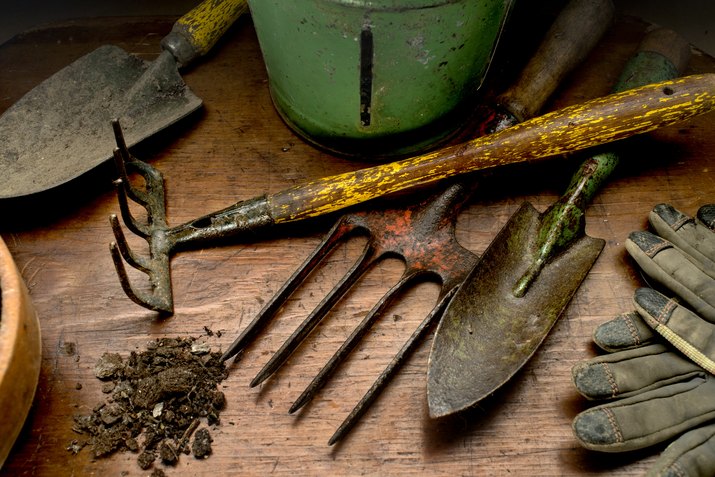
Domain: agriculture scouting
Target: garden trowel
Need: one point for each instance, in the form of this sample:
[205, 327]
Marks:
[61, 129]
[527, 276]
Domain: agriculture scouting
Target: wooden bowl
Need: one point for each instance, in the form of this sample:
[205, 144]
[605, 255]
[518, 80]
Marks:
[20, 352]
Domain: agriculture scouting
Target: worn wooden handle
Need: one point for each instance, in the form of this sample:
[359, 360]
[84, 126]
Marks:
[573, 128]
[577, 29]
[195, 33]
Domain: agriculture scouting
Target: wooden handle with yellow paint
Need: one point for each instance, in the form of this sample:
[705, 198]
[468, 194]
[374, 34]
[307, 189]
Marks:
[195, 33]
[592, 123]
[570, 129]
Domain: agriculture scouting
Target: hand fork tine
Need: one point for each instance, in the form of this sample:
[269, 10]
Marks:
[347, 346]
[369, 397]
[423, 235]
[340, 232]
[331, 299]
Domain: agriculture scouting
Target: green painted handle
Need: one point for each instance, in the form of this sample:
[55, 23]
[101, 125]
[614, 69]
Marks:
[661, 56]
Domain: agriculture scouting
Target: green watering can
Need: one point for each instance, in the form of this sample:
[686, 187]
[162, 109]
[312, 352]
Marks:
[376, 78]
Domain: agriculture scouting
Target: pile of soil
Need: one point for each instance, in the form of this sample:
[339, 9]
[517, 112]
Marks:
[157, 399]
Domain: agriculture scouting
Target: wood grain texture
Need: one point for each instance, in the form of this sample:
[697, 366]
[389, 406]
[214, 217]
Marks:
[238, 148]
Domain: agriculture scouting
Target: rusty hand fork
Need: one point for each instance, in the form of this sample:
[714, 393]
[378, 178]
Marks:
[422, 235]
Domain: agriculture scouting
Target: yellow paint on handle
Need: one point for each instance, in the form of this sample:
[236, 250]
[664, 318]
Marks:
[570, 129]
[208, 21]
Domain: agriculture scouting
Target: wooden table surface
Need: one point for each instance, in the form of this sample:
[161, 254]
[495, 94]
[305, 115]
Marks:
[238, 148]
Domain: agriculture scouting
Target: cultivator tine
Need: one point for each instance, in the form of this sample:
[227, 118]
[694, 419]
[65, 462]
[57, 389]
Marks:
[156, 266]
[129, 220]
[121, 157]
[122, 247]
[366, 260]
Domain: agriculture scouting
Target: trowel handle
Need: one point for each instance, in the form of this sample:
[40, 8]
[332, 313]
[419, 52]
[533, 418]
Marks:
[195, 33]
[661, 56]
[577, 29]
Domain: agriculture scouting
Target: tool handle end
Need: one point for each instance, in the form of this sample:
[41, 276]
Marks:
[577, 29]
[195, 33]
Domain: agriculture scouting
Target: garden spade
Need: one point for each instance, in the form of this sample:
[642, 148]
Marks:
[525, 279]
[61, 129]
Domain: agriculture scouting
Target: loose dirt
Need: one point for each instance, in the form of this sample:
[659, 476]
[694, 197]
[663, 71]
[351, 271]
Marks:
[159, 403]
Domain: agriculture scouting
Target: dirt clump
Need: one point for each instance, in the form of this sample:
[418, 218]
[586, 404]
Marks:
[156, 400]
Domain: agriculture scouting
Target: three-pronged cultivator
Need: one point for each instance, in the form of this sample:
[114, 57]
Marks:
[156, 266]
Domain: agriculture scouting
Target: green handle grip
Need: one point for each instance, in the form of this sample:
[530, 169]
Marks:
[195, 33]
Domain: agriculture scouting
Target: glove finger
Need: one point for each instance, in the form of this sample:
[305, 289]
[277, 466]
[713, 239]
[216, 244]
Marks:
[692, 454]
[706, 215]
[669, 265]
[647, 418]
[691, 236]
[681, 327]
[631, 372]
[626, 331]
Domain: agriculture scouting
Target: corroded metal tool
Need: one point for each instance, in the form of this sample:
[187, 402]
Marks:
[599, 121]
[57, 131]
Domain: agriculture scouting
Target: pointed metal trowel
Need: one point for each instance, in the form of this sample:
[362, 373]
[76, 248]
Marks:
[511, 299]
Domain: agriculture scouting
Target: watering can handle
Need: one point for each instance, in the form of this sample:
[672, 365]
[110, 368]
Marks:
[572, 36]
[195, 33]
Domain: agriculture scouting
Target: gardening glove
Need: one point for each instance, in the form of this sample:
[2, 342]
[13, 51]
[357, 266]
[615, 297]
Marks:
[681, 257]
[656, 392]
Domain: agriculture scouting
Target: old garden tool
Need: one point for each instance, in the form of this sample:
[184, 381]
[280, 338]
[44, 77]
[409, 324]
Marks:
[591, 123]
[527, 276]
[423, 234]
[58, 131]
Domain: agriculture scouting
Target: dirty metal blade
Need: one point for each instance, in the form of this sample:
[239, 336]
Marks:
[527, 276]
[487, 333]
[61, 128]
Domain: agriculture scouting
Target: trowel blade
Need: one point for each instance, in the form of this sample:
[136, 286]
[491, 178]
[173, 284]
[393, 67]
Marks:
[486, 334]
[62, 128]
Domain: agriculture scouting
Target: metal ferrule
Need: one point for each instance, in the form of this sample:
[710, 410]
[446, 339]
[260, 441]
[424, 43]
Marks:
[246, 216]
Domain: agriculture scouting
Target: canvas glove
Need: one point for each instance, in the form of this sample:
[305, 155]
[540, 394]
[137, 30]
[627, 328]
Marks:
[659, 390]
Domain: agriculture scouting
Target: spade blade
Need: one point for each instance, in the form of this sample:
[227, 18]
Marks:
[61, 129]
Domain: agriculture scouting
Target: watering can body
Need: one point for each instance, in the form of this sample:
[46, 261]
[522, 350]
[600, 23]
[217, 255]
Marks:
[376, 78]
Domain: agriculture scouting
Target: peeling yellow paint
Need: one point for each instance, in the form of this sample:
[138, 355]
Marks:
[577, 127]
[209, 20]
